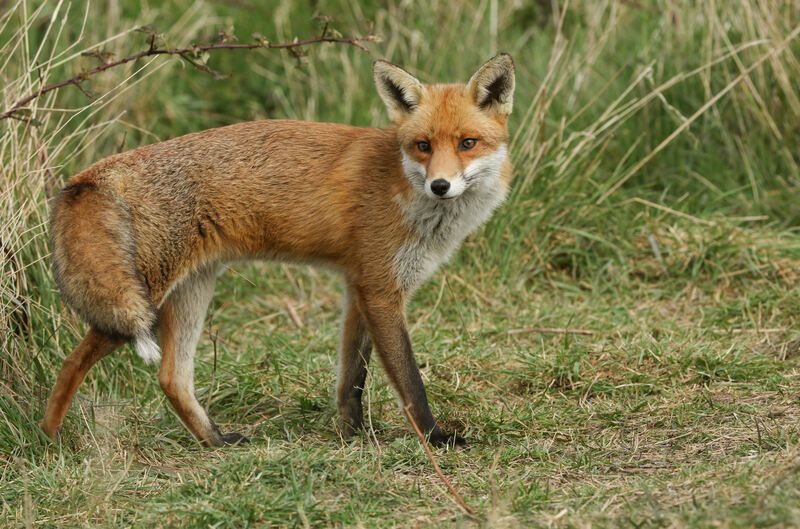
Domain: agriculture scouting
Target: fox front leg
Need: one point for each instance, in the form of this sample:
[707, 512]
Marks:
[387, 326]
[354, 353]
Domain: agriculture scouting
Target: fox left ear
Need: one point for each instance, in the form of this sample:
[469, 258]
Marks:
[399, 90]
[492, 85]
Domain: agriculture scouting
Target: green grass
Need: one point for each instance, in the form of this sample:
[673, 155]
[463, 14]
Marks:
[666, 233]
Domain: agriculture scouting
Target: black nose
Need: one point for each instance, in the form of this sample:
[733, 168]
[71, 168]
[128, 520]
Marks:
[440, 186]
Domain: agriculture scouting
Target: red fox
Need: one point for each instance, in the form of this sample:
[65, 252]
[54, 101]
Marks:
[140, 237]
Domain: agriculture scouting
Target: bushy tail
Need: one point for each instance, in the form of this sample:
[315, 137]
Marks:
[94, 252]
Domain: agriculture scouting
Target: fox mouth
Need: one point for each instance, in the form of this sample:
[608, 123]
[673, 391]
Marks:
[436, 198]
[454, 193]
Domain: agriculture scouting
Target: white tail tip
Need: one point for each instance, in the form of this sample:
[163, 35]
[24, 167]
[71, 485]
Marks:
[147, 348]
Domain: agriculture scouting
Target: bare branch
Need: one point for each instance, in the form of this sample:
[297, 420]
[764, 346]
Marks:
[187, 54]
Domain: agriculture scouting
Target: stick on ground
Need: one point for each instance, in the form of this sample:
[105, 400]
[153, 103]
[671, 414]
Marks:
[456, 496]
[551, 330]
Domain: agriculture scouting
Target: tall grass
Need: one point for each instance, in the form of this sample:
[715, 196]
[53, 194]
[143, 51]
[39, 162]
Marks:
[43, 43]
[678, 118]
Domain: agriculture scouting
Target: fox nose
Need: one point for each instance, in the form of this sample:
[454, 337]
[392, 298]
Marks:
[440, 187]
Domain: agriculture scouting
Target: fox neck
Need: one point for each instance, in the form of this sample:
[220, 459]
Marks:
[439, 226]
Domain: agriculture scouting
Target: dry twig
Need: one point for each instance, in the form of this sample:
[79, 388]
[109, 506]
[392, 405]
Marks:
[456, 496]
[193, 55]
[293, 315]
[551, 330]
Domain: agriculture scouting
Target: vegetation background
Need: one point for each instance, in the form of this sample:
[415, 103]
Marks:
[654, 209]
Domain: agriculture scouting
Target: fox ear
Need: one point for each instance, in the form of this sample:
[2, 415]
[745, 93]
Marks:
[492, 85]
[399, 90]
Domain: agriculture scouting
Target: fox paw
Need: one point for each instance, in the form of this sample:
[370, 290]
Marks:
[451, 440]
[234, 438]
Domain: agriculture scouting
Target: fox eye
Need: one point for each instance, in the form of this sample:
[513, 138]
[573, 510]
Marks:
[467, 143]
[424, 146]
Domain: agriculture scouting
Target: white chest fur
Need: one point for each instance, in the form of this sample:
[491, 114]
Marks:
[440, 226]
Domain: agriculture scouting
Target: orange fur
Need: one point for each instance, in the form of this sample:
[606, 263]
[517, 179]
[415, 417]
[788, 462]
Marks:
[94, 346]
[445, 116]
[132, 231]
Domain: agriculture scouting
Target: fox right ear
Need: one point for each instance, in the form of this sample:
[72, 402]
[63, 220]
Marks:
[399, 90]
[492, 85]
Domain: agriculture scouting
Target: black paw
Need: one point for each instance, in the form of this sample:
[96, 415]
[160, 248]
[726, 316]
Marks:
[451, 440]
[234, 438]
[349, 431]
[351, 420]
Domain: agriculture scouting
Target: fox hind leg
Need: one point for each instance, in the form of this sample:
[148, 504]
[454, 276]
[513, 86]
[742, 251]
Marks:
[94, 346]
[180, 326]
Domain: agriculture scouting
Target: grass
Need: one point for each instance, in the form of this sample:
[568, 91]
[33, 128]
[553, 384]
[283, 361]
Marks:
[656, 172]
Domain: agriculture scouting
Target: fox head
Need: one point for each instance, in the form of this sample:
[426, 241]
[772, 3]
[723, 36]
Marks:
[453, 137]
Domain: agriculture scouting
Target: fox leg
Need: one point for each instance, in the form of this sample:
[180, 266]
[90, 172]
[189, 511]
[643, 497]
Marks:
[180, 326]
[354, 354]
[387, 327]
[94, 346]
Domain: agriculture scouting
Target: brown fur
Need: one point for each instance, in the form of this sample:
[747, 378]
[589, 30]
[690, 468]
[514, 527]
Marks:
[355, 352]
[94, 257]
[94, 346]
[139, 236]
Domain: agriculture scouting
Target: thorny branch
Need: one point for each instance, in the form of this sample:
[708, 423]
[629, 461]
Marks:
[194, 55]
